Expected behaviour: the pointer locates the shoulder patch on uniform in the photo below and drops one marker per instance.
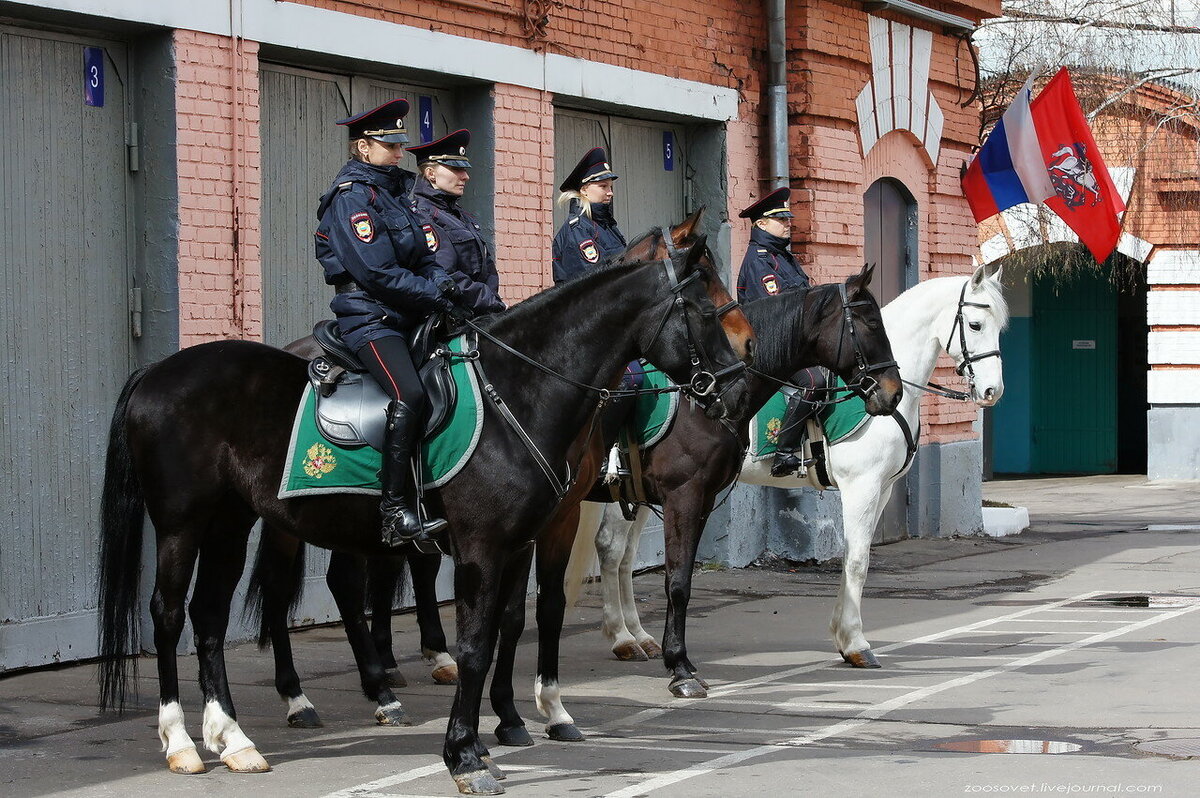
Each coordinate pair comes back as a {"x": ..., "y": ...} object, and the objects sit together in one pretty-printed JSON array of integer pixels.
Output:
[
  {"x": 573, "y": 220},
  {"x": 770, "y": 283},
  {"x": 360, "y": 223},
  {"x": 346, "y": 185},
  {"x": 431, "y": 239},
  {"x": 588, "y": 249},
  {"x": 762, "y": 251}
]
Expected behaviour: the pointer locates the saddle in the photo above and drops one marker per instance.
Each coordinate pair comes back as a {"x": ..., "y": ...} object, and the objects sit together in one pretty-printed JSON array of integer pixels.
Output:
[{"x": 352, "y": 408}]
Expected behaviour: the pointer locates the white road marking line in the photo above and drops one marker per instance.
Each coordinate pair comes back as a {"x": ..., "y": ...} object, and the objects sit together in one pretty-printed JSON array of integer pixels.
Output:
[
  {"x": 884, "y": 707},
  {"x": 651, "y": 713}
]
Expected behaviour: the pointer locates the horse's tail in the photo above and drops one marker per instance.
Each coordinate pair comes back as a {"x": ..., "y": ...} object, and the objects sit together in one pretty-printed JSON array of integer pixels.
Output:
[
  {"x": 583, "y": 550},
  {"x": 267, "y": 569},
  {"x": 122, "y": 514}
]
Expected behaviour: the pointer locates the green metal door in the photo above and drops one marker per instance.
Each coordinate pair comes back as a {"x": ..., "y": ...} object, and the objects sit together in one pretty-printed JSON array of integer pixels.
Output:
[{"x": 1075, "y": 376}]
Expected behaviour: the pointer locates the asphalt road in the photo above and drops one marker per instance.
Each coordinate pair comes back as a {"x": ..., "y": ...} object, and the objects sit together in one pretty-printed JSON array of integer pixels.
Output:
[{"x": 980, "y": 640}]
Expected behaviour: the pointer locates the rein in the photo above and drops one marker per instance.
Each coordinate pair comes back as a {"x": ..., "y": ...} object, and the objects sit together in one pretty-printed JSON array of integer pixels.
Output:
[{"x": 702, "y": 383}]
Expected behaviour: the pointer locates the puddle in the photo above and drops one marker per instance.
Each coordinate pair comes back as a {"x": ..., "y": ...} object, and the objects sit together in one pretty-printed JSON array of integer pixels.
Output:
[
  {"x": 1161, "y": 601},
  {"x": 1009, "y": 747}
]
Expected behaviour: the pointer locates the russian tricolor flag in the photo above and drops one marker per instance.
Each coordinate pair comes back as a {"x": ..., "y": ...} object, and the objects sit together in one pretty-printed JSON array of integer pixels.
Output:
[
  {"x": 1043, "y": 151},
  {"x": 1009, "y": 169}
]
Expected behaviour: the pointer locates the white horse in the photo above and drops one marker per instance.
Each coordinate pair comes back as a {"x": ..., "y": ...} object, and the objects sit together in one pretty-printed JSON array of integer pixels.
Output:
[{"x": 962, "y": 316}]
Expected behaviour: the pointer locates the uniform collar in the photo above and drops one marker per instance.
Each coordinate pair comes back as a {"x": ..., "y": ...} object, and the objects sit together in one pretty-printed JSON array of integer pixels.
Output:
[
  {"x": 602, "y": 213},
  {"x": 762, "y": 238},
  {"x": 391, "y": 179},
  {"x": 438, "y": 197}
]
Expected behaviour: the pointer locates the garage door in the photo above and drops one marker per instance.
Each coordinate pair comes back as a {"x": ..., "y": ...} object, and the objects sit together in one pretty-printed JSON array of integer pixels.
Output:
[
  {"x": 302, "y": 150},
  {"x": 647, "y": 193},
  {"x": 65, "y": 270}
]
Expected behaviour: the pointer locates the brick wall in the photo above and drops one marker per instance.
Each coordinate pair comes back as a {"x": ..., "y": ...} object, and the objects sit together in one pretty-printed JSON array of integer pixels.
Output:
[
  {"x": 220, "y": 284},
  {"x": 524, "y": 125}
]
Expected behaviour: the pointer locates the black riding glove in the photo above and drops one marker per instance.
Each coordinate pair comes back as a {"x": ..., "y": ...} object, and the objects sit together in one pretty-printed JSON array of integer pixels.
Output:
[
  {"x": 459, "y": 313},
  {"x": 449, "y": 289}
]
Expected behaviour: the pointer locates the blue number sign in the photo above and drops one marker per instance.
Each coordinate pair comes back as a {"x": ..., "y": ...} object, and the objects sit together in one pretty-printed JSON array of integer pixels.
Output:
[
  {"x": 425, "y": 107},
  {"x": 93, "y": 76},
  {"x": 668, "y": 151}
]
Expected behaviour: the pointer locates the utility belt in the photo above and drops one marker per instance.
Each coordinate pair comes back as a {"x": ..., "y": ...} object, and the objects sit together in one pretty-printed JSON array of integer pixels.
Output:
[{"x": 348, "y": 287}]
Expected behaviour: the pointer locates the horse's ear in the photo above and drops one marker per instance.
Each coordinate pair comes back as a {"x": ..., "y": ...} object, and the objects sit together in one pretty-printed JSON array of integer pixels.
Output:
[
  {"x": 695, "y": 252},
  {"x": 686, "y": 228},
  {"x": 978, "y": 277},
  {"x": 997, "y": 274},
  {"x": 860, "y": 281}
]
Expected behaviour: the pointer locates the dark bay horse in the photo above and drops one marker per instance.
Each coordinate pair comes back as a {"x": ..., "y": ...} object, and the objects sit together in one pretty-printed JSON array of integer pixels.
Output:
[
  {"x": 198, "y": 441},
  {"x": 841, "y": 329},
  {"x": 358, "y": 582}
]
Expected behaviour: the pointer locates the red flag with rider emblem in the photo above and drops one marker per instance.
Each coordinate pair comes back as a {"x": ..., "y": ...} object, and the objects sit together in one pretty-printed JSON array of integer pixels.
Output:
[{"x": 1085, "y": 197}]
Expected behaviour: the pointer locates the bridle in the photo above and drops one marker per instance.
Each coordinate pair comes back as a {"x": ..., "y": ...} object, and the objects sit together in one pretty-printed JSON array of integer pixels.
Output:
[
  {"x": 705, "y": 379},
  {"x": 965, "y": 366},
  {"x": 866, "y": 384}
]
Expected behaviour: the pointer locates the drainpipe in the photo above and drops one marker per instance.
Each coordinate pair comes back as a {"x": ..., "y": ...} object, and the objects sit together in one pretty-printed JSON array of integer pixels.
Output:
[{"x": 777, "y": 121}]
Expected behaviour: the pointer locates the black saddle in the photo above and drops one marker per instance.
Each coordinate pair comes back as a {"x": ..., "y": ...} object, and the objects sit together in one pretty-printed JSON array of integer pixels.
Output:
[{"x": 351, "y": 407}]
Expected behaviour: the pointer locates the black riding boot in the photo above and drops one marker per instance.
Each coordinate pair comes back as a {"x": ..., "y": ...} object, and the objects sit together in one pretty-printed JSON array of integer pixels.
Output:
[
  {"x": 400, "y": 524},
  {"x": 790, "y": 443}
]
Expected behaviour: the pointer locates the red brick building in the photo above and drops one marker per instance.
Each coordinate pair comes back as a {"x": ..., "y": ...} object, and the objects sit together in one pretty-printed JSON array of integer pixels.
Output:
[{"x": 192, "y": 184}]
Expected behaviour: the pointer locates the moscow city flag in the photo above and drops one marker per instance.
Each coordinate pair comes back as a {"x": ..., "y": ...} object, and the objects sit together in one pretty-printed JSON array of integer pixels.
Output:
[{"x": 1043, "y": 151}]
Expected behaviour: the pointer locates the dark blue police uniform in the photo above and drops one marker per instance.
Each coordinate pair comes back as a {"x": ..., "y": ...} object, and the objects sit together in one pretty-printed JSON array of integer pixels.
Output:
[
  {"x": 373, "y": 250},
  {"x": 769, "y": 268},
  {"x": 454, "y": 234},
  {"x": 584, "y": 242}
]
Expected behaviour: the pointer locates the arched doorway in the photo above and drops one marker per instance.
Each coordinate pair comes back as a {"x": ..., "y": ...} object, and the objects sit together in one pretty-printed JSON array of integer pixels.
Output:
[{"x": 890, "y": 242}]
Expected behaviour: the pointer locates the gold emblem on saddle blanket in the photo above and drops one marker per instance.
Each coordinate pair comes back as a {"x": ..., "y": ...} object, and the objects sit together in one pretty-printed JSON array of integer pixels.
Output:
[
  {"x": 773, "y": 427},
  {"x": 319, "y": 461}
]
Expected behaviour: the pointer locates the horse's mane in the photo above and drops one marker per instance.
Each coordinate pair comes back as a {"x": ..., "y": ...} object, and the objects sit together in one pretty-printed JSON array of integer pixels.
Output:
[
  {"x": 995, "y": 294},
  {"x": 778, "y": 323},
  {"x": 581, "y": 284}
]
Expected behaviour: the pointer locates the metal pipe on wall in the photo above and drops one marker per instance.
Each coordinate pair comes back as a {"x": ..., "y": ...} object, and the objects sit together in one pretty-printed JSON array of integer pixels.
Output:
[{"x": 777, "y": 121}]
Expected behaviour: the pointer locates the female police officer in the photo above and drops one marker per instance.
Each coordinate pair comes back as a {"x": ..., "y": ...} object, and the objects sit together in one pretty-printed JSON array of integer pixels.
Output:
[
  {"x": 768, "y": 268},
  {"x": 373, "y": 250},
  {"x": 452, "y": 233},
  {"x": 589, "y": 236}
]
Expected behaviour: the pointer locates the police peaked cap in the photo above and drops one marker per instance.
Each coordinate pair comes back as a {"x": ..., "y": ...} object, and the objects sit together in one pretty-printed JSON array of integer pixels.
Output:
[
  {"x": 592, "y": 167},
  {"x": 449, "y": 150},
  {"x": 772, "y": 206},
  {"x": 385, "y": 123}
]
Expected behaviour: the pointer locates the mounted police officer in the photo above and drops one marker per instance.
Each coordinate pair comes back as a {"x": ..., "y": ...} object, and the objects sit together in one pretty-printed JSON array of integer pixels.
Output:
[
  {"x": 452, "y": 233},
  {"x": 589, "y": 237},
  {"x": 768, "y": 268},
  {"x": 374, "y": 252}
]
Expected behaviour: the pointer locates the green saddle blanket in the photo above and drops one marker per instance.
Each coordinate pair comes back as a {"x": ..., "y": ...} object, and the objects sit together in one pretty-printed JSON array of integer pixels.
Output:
[
  {"x": 651, "y": 417},
  {"x": 316, "y": 465},
  {"x": 838, "y": 420}
]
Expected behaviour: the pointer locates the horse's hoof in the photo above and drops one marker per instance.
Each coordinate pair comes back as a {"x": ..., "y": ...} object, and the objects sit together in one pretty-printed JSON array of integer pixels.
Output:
[
  {"x": 862, "y": 659},
  {"x": 653, "y": 649},
  {"x": 480, "y": 782},
  {"x": 564, "y": 733},
  {"x": 494, "y": 769},
  {"x": 185, "y": 762},
  {"x": 515, "y": 736},
  {"x": 688, "y": 688},
  {"x": 248, "y": 760},
  {"x": 445, "y": 674},
  {"x": 392, "y": 715},
  {"x": 701, "y": 680},
  {"x": 630, "y": 652},
  {"x": 844, "y": 657},
  {"x": 394, "y": 678},
  {"x": 306, "y": 718}
]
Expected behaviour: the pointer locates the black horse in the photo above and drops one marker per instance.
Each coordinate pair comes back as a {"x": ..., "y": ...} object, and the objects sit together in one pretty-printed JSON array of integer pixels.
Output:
[
  {"x": 357, "y": 582},
  {"x": 198, "y": 441}
]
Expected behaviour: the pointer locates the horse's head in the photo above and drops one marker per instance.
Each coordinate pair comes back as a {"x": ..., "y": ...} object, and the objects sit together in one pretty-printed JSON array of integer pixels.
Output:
[
  {"x": 975, "y": 323},
  {"x": 688, "y": 340},
  {"x": 861, "y": 349},
  {"x": 655, "y": 245}
]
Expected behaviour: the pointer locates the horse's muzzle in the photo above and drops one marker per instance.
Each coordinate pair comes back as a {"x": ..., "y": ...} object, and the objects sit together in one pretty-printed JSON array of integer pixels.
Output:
[{"x": 888, "y": 391}]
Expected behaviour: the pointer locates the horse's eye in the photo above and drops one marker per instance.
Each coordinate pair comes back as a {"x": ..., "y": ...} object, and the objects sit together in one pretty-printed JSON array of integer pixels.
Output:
[{"x": 976, "y": 326}]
